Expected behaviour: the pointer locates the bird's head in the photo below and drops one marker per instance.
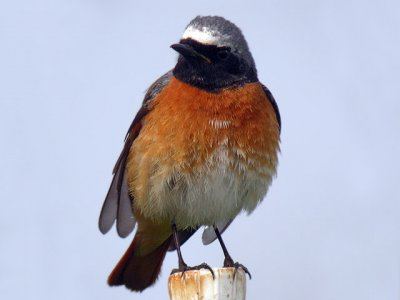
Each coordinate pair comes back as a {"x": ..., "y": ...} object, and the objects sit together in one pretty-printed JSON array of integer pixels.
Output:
[{"x": 214, "y": 55}]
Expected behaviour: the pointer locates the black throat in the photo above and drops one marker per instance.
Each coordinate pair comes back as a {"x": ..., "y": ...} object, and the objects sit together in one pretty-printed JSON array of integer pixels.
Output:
[{"x": 222, "y": 68}]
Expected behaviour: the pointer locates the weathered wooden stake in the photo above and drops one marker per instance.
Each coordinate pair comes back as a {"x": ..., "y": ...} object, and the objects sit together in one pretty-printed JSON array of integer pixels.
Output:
[{"x": 200, "y": 285}]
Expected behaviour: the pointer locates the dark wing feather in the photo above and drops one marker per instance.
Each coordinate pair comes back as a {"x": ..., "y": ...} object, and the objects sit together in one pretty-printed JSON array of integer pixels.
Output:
[
  {"x": 125, "y": 220},
  {"x": 209, "y": 235},
  {"x": 118, "y": 202},
  {"x": 109, "y": 210},
  {"x": 118, "y": 205},
  {"x": 274, "y": 105}
]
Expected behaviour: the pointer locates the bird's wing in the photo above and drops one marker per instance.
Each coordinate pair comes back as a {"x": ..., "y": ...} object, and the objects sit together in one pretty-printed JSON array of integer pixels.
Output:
[
  {"x": 209, "y": 235},
  {"x": 183, "y": 236},
  {"x": 274, "y": 105},
  {"x": 118, "y": 202}
]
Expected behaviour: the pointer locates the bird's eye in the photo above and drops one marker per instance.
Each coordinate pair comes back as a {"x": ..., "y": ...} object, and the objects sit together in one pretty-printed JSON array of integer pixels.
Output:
[{"x": 223, "y": 53}]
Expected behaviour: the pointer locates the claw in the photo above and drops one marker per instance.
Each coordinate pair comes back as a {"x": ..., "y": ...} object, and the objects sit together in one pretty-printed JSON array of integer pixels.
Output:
[
  {"x": 205, "y": 266},
  {"x": 229, "y": 263},
  {"x": 186, "y": 268},
  {"x": 237, "y": 266}
]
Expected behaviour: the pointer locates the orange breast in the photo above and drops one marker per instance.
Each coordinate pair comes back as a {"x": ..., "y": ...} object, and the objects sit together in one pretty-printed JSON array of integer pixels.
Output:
[{"x": 186, "y": 125}]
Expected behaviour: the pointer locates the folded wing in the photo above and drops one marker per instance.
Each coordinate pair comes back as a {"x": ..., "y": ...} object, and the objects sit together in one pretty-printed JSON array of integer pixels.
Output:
[{"x": 118, "y": 203}]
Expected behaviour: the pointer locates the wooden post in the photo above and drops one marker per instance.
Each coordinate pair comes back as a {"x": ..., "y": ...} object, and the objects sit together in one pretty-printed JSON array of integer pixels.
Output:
[{"x": 200, "y": 285}]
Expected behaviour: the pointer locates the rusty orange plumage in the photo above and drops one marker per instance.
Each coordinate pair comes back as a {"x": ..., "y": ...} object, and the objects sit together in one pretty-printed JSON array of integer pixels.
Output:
[{"x": 179, "y": 135}]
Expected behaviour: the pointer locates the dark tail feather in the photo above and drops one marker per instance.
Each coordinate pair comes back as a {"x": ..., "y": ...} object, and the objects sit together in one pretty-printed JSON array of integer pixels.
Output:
[{"x": 139, "y": 272}]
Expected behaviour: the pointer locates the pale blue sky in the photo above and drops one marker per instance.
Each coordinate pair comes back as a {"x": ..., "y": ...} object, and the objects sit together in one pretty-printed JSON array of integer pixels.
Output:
[{"x": 72, "y": 76}]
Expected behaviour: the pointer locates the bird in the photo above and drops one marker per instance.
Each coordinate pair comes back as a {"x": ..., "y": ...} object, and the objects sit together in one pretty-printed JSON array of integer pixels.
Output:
[{"x": 202, "y": 148}]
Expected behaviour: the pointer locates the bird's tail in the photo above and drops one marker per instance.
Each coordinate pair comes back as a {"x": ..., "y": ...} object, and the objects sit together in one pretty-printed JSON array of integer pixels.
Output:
[{"x": 141, "y": 264}]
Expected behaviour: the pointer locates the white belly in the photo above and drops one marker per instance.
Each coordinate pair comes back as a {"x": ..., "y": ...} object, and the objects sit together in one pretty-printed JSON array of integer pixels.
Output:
[{"x": 215, "y": 192}]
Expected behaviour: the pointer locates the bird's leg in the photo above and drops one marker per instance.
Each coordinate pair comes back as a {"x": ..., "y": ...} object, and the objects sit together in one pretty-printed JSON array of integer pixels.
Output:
[
  {"x": 228, "y": 261},
  {"x": 181, "y": 263},
  {"x": 182, "y": 266}
]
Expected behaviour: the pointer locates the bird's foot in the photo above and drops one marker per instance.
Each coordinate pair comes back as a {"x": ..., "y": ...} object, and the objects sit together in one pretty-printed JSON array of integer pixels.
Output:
[
  {"x": 229, "y": 263},
  {"x": 184, "y": 268}
]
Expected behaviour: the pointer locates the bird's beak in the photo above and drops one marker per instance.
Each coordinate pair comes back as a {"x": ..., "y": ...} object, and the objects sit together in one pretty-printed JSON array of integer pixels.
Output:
[{"x": 188, "y": 52}]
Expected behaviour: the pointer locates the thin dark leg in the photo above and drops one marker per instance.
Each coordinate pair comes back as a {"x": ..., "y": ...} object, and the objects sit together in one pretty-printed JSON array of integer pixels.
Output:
[
  {"x": 228, "y": 261},
  {"x": 228, "y": 258},
  {"x": 181, "y": 262},
  {"x": 183, "y": 267}
]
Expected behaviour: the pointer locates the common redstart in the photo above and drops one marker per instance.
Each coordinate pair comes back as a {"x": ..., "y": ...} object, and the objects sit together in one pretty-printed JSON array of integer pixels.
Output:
[{"x": 202, "y": 148}]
